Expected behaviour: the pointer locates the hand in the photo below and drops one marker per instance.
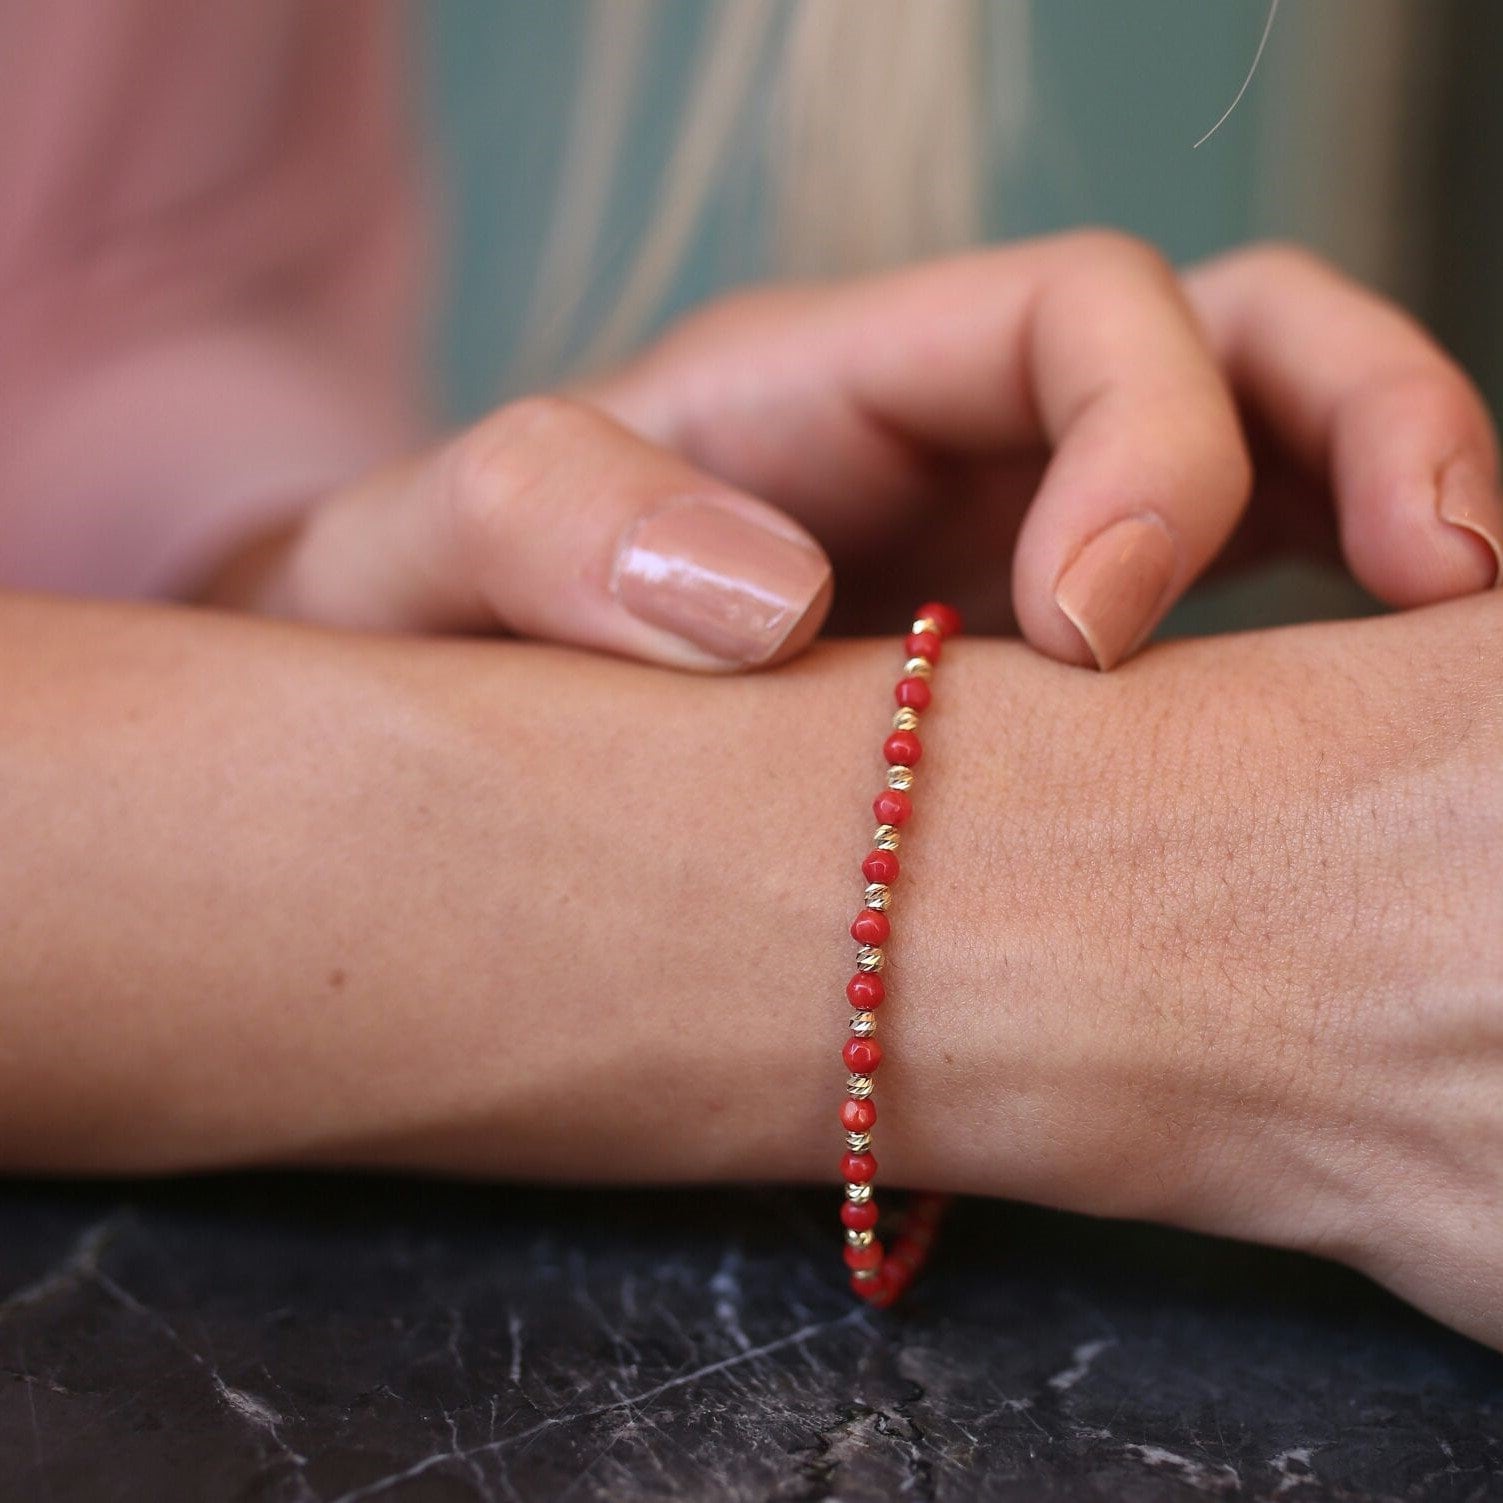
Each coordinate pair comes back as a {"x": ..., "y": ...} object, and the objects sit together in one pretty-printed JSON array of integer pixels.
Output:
[
  {"x": 1252, "y": 933},
  {"x": 548, "y": 520},
  {"x": 905, "y": 421},
  {"x": 1072, "y": 406}
]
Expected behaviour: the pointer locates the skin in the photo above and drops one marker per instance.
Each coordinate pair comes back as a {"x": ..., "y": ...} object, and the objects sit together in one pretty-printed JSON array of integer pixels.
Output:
[
  {"x": 1211, "y": 939},
  {"x": 968, "y": 425},
  {"x": 1225, "y": 954}
]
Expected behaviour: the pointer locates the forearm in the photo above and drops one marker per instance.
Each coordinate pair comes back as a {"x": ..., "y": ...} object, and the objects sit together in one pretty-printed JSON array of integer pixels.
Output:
[
  {"x": 274, "y": 894},
  {"x": 279, "y": 894}
]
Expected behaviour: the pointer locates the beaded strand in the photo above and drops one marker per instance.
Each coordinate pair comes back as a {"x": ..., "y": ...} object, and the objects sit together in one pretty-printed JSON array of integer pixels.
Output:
[{"x": 877, "y": 1275}]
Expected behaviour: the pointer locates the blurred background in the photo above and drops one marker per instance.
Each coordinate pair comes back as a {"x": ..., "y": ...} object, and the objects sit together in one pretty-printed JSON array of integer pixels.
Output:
[{"x": 1367, "y": 134}]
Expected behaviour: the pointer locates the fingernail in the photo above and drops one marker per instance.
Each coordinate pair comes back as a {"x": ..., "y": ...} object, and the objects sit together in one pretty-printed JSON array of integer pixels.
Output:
[
  {"x": 720, "y": 580},
  {"x": 1468, "y": 499},
  {"x": 1113, "y": 588}
]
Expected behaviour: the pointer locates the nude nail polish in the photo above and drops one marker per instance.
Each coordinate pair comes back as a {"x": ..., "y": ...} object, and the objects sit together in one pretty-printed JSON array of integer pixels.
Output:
[
  {"x": 719, "y": 579},
  {"x": 1114, "y": 587},
  {"x": 1468, "y": 499}
]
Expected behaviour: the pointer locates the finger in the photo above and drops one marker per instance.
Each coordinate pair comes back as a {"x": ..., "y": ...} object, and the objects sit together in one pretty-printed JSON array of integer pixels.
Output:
[
  {"x": 549, "y": 520},
  {"x": 1096, "y": 353},
  {"x": 1150, "y": 473},
  {"x": 1365, "y": 399},
  {"x": 1084, "y": 343}
]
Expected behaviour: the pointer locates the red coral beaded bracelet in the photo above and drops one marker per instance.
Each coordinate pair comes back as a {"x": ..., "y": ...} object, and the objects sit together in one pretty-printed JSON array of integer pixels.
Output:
[{"x": 877, "y": 1275}]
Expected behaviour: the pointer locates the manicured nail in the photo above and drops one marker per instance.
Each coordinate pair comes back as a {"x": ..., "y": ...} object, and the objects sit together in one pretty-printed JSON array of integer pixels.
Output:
[
  {"x": 1468, "y": 499},
  {"x": 732, "y": 587},
  {"x": 1114, "y": 586}
]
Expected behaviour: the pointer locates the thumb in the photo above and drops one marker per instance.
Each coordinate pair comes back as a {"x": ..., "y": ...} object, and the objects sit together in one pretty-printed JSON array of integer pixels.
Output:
[{"x": 550, "y": 520}]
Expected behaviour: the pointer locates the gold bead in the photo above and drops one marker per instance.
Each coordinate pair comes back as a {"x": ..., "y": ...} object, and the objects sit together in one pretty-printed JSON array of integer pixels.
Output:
[
  {"x": 905, "y": 719},
  {"x": 858, "y": 1142},
  {"x": 886, "y": 838},
  {"x": 859, "y": 1086},
  {"x": 900, "y": 777},
  {"x": 867, "y": 1275},
  {"x": 877, "y": 895},
  {"x": 927, "y": 623},
  {"x": 857, "y": 1194},
  {"x": 859, "y": 1239},
  {"x": 919, "y": 668},
  {"x": 870, "y": 958},
  {"x": 863, "y": 1024}
]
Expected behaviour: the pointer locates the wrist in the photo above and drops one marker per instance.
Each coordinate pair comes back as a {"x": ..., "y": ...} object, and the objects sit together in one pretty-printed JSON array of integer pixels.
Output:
[
  {"x": 1024, "y": 1055},
  {"x": 1029, "y": 1043},
  {"x": 1092, "y": 910}
]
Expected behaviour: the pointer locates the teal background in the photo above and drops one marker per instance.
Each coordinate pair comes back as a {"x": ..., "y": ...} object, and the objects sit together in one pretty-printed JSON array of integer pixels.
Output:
[{"x": 1120, "y": 93}]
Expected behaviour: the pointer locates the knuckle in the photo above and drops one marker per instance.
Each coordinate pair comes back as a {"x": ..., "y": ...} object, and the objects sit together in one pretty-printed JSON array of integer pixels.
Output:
[
  {"x": 1213, "y": 464},
  {"x": 1427, "y": 392},
  {"x": 1107, "y": 249},
  {"x": 540, "y": 418},
  {"x": 734, "y": 307},
  {"x": 1437, "y": 389},
  {"x": 746, "y": 312},
  {"x": 498, "y": 462},
  {"x": 1285, "y": 259}
]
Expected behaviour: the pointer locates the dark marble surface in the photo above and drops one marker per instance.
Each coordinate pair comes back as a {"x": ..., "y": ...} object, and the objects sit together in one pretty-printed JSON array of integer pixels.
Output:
[{"x": 340, "y": 1338}]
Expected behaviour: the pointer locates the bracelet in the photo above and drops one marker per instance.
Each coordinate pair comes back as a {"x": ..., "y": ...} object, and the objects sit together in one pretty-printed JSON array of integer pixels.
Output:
[{"x": 877, "y": 1275}]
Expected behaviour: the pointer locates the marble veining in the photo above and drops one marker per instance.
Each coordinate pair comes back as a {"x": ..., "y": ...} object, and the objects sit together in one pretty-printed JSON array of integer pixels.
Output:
[{"x": 323, "y": 1339}]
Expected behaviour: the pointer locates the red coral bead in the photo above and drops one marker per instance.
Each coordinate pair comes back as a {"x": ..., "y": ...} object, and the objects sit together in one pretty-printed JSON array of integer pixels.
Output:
[
  {"x": 945, "y": 617},
  {"x": 862, "y": 1055},
  {"x": 892, "y": 806},
  {"x": 858, "y": 1116},
  {"x": 880, "y": 866},
  {"x": 870, "y": 927},
  {"x": 902, "y": 748},
  {"x": 865, "y": 990},
  {"x": 912, "y": 694},
  {"x": 858, "y": 1168},
  {"x": 860, "y": 1216},
  {"x": 866, "y": 1287},
  {"x": 869, "y": 1256},
  {"x": 923, "y": 644}
]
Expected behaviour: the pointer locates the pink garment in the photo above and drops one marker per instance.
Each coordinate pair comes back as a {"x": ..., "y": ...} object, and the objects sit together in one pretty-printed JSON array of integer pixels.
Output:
[{"x": 210, "y": 263}]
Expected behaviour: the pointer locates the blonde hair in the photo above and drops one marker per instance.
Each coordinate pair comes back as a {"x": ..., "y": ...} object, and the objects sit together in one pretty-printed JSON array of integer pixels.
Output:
[{"x": 872, "y": 126}]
